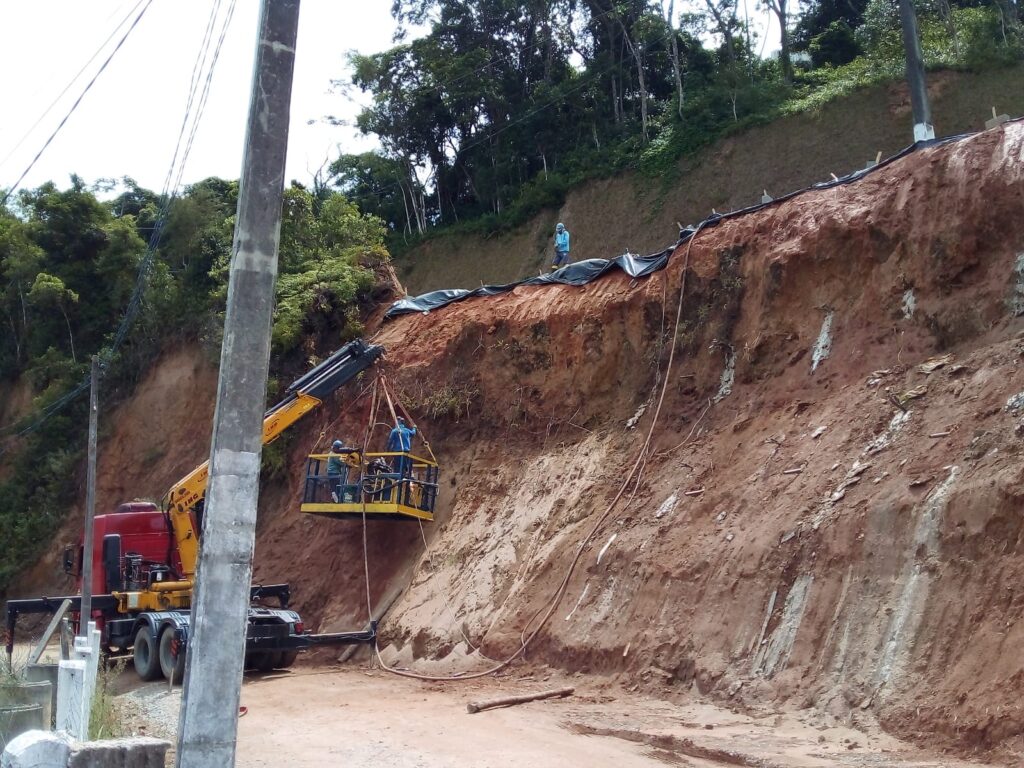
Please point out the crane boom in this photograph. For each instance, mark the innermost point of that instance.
(302, 396)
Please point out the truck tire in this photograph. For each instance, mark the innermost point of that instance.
(146, 655)
(265, 661)
(172, 667)
(288, 658)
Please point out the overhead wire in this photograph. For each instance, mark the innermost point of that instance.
(179, 159)
(67, 87)
(71, 111)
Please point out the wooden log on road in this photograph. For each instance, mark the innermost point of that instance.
(509, 701)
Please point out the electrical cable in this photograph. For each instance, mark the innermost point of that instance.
(67, 87)
(135, 301)
(74, 106)
(556, 597)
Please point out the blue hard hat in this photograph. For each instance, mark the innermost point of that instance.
(560, 226)
(337, 445)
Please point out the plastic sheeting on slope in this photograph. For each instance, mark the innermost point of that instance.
(583, 272)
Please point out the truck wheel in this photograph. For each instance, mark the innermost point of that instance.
(172, 667)
(288, 658)
(267, 660)
(146, 655)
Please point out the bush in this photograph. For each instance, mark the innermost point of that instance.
(837, 45)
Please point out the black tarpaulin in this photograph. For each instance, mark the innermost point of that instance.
(583, 272)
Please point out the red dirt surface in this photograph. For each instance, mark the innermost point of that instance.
(891, 561)
(851, 543)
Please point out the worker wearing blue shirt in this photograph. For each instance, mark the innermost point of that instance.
(400, 441)
(561, 246)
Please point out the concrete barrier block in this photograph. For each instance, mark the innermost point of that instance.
(40, 673)
(26, 693)
(72, 703)
(139, 752)
(37, 749)
(996, 120)
(16, 719)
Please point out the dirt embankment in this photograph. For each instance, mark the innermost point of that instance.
(145, 444)
(819, 521)
(628, 212)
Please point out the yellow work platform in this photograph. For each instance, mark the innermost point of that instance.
(390, 486)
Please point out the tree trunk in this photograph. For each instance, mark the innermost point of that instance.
(677, 70)
(779, 7)
(24, 312)
(637, 50)
(405, 204)
(724, 26)
(14, 336)
(71, 339)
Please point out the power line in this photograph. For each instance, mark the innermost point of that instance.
(189, 124)
(74, 106)
(68, 86)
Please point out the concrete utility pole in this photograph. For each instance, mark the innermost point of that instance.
(85, 612)
(213, 671)
(923, 129)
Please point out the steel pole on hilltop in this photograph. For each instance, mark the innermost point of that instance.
(923, 129)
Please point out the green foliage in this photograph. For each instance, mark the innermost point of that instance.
(68, 266)
(836, 46)
(106, 718)
(500, 108)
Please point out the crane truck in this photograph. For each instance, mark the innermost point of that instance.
(145, 556)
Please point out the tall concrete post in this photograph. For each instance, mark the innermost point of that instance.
(923, 129)
(85, 613)
(213, 671)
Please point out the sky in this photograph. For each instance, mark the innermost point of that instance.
(128, 122)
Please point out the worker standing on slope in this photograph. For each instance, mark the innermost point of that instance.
(561, 246)
(400, 441)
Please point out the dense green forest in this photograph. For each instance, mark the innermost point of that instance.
(70, 265)
(501, 106)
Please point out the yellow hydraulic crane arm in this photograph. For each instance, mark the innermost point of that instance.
(302, 396)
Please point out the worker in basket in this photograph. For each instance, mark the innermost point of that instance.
(338, 460)
(400, 441)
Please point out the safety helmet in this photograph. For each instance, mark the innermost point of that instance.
(560, 226)
(337, 445)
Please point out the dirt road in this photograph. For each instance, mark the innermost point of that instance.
(325, 717)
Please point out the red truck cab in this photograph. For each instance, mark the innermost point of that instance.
(129, 544)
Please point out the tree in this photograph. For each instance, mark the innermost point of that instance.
(49, 291)
(781, 10)
(836, 45)
(677, 70)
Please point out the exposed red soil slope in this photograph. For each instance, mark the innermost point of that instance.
(146, 443)
(881, 579)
